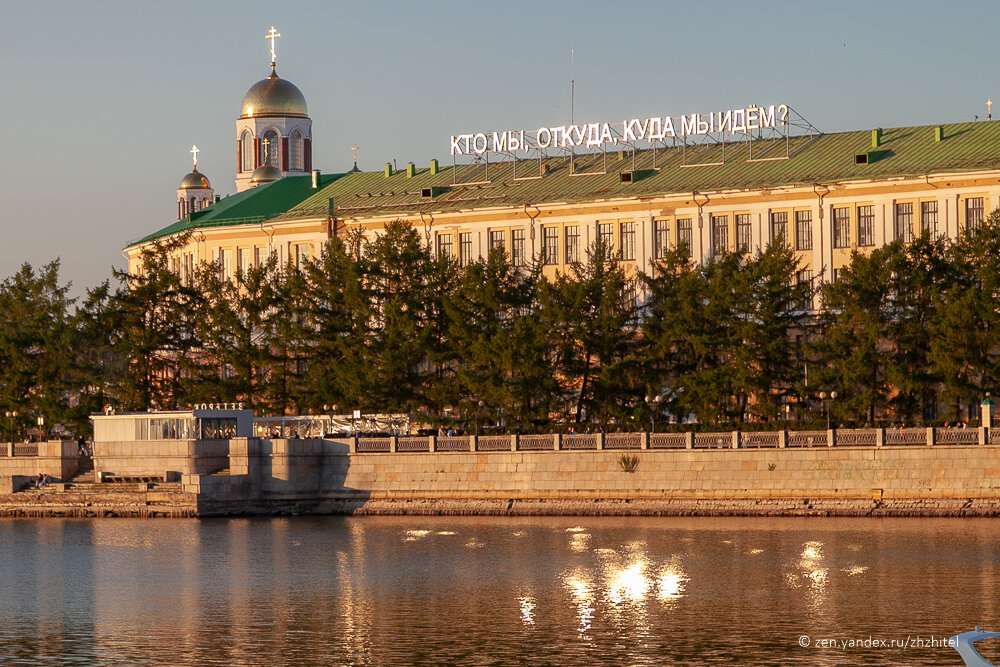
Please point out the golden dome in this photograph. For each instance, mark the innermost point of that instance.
(273, 96)
(265, 173)
(195, 181)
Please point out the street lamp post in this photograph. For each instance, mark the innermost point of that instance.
(654, 405)
(479, 407)
(827, 405)
(11, 415)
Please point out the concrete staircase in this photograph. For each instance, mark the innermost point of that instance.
(85, 474)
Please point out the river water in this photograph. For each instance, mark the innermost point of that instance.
(495, 590)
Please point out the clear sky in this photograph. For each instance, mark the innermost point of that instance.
(106, 98)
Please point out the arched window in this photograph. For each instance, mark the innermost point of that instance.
(271, 151)
(246, 151)
(295, 151)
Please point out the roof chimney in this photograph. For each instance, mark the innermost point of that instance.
(411, 170)
(388, 169)
(876, 137)
(434, 167)
(938, 134)
(315, 179)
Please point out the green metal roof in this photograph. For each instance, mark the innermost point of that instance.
(248, 207)
(825, 159)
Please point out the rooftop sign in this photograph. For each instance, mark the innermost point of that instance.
(605, 135)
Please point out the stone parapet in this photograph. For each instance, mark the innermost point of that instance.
(59, 459)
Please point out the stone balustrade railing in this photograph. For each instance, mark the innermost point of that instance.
(870, 437)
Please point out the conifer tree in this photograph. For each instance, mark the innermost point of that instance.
(333, 321)
(920, 274)
(964, 345)
(153, 314)
(235, 324)
(853, 348)
(497, 347)
(591, 312)
(36, 353)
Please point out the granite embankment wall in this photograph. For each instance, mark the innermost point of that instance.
(325, 476)
(167, 459)
(55, 458)
(879, 473)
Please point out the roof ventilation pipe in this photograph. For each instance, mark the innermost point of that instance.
(315, 179)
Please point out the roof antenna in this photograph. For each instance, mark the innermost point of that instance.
(572, 107)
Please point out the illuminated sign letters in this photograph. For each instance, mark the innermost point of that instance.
(603, 135)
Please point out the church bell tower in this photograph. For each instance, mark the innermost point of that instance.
(273, 132)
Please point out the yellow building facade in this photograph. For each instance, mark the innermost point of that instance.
(826, 195)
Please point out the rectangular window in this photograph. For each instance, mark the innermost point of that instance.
(661, 238)
(245, 260)
(779, 227)
(627, 234)
(720, 234)
(800, 278)
(929, 217)
(684, 234)
(743, 232)
(973, 213)
(866, 225)
(497, 240)
(301, 255)
(841, 227)
(606, 232)
(465, 248)
(444, 246)
(572, 244)
(227, 264)
(903, 225)
(517, 247)
(550, 245)
(836, 275)
(803, 230)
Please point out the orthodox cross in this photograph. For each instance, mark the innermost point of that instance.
(989, 103)
(355, 149)
(265, 143)
(272, 36)
(194, 152)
